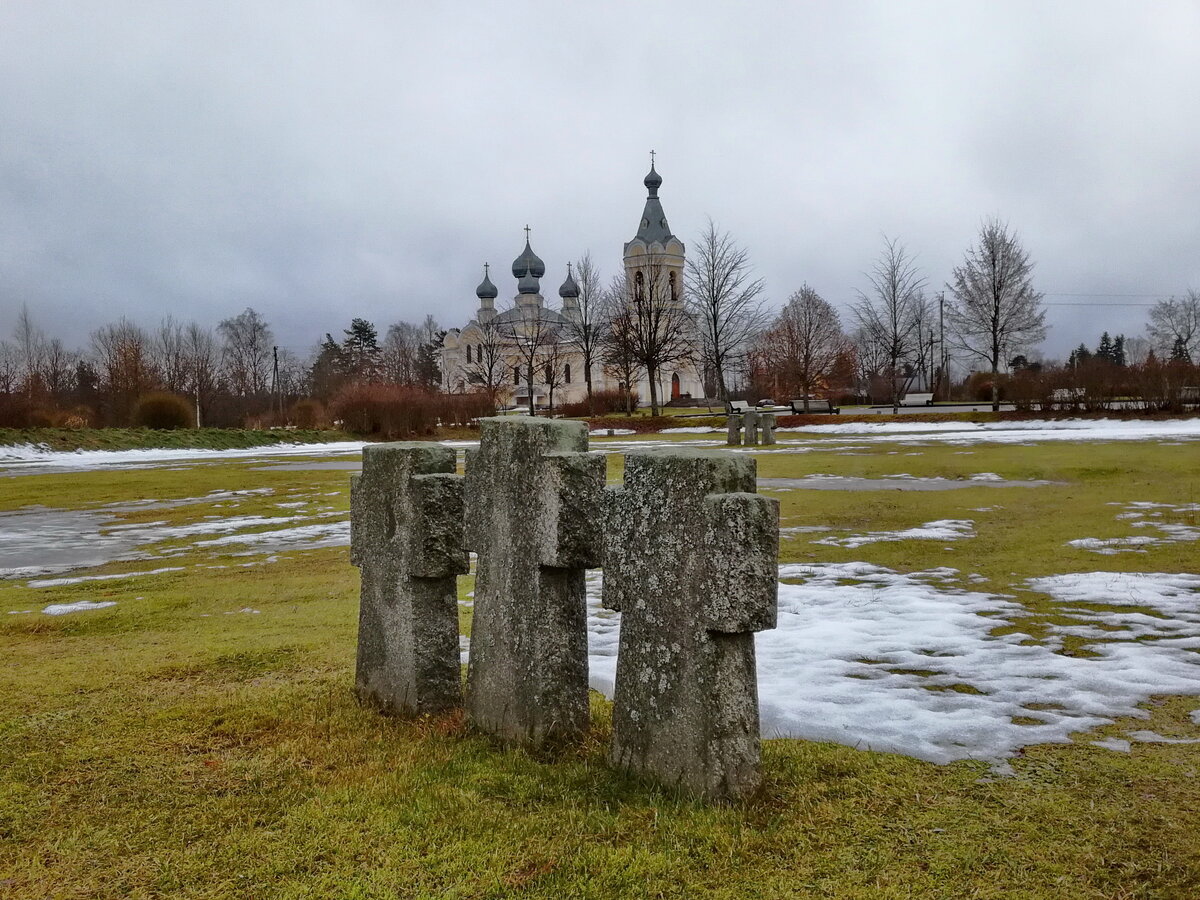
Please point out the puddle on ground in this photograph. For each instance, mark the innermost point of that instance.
(900, 483)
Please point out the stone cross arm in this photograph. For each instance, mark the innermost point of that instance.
(741, 546)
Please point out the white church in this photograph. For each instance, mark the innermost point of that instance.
(654, 248)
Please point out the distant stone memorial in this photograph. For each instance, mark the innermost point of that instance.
(406, 537)
(734, 424)
(750, 421)
(767, 426)
(533, 501)
(690, 563)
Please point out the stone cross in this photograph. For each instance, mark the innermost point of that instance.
(690, 563)
(768, 429)
(406, 537)
(734, 422)
(750, 420)
(533, 501)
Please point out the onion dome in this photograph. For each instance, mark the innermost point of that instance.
(569, 289)
(528, 284)
(652, 181)
(486, 290)
(529, 262)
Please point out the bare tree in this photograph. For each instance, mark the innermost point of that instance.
(486, 368)
(725, 299)
(200, 352)
(247, 343)
(586, 329)
(805, 340)
(401, 347)
(530, 334)
(58, 367)
(888, 316)
(996, 311)
(617, 349)
(10, 368)
(661, 330)
(553, 361)
(167, 349)
(123, 359)
(30, 344)
(1175, 322)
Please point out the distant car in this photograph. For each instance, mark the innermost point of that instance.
(766, 403)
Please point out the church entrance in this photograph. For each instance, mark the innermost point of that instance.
(675, 388)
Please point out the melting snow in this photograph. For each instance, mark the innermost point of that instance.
(941, 530)
(873, 658)
(62, 609)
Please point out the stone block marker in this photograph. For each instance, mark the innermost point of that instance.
(750, 420)
(690, 563)
(768, 429)
(734, 423)
(406, 537)
(533, 504)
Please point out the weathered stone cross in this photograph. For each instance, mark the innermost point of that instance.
(690, 563)
(533, 517)
(406, 536)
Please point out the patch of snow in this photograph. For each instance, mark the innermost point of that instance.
(986, 476)
(1150, 737)
(1014, 432)
(941, 530)
(28, 458)
(19, 612)
(691, 429)
(62, 609)
(873, 658)
(304, 537)
(59, 582)
(1115, 744)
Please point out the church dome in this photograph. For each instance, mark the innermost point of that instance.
(528, 283)
(569, 289)
(529, 262)
(486, 290)
(652, 181)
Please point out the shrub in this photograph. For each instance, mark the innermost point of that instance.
(391, 410)
(307, 413)
(162, 410)
(603, 403)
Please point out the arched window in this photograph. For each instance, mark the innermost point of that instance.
(671, 284)
(549, 373)
(479, 353)
(468, 352)
(516, 375)
(639, 288)
(567, 374)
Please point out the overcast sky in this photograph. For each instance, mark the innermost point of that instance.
(324, 160)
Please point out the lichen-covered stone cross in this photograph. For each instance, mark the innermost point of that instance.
(533, 499)
(690, 563)
(406, 537)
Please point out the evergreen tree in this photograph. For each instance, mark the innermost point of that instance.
(328, 369)
(1105, 351)
(1179, 352)
(1079, 356)
(1119, 351)
(360, 351)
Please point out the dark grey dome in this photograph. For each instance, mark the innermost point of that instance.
(653, 181)
(519, 314)
(569, 288)
(486, 290)
(529, 262)
(528, 284)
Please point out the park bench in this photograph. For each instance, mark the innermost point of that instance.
(814, 406)
(918, 400)
(733, 407)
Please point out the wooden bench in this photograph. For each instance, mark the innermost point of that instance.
(814, 406)
(738, 407)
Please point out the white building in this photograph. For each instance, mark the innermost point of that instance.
(492, 340)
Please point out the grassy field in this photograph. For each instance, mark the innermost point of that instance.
(149, 438)
(199, 739)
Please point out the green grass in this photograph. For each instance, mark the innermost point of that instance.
(171, 746)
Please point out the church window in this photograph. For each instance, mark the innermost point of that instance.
(671, 282)
(639, 288)
(549, 373)
(468, 353)
(567, 374)
(516, 374)
(479, 353)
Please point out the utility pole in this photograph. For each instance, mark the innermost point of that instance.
(943, 378)
(275, 382)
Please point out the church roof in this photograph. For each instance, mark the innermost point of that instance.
(569, 289)
(518, 314)
(486, 290)
(654, 227)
